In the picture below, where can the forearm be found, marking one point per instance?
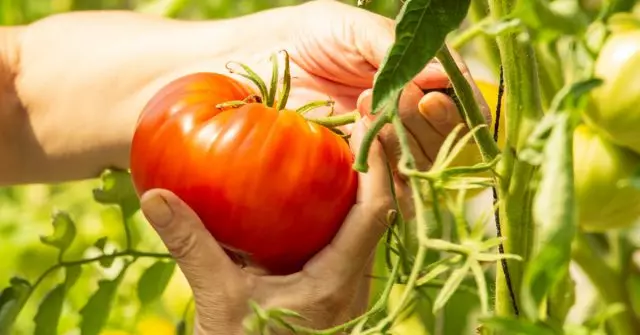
(82, 80)
(10, 106)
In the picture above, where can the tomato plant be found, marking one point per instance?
(470, 154)
(614, 109)
(602, 171)
(261, 177)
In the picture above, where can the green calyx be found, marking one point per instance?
(277, 96)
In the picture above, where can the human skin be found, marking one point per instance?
(73, 85)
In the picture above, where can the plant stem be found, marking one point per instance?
(337, 120)
(478, 11)
(607, 282)
(523, 111)
(360, 164)
(61, 264)
(127, 221)
(421, 224)
(471, 110)
(550, 74)
(469, 34)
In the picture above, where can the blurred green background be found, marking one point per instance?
(25, 211)
(22, 11)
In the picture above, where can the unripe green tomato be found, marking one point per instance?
(615, 105)
(603, 201)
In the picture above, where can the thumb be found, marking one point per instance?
(199, 256)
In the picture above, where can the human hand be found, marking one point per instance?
(332, 288)
(113, 62)
(335, 51)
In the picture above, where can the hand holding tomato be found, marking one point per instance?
(335, 48)
(333, 286)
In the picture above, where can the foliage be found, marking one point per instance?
(98, 266)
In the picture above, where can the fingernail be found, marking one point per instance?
(438, 110)
(157, 210)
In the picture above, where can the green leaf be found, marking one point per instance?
(12, 300)
(117, 189)
(633, 181)
(451, 285)
(64, 232)
(50, 309)
(597, 321)
(421, 29)
(573, 96)
(101, 243)
(181, 328)
(633, 287)
(561, 299)
(514, 326)
(554, 211)
(481, 282)
(550, 21)
(154, 280)
(96, 311)
(107, 261)
(570, 97)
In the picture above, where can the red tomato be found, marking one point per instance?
(267, 183)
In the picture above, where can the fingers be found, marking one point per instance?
(199, 256)
(351, 248)
(440, 112)
(422, 137)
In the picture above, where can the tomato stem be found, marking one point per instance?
(523, 111)
(286, 85)
(315, 104)
(252, 76)
(338, 120)
(274, 80)
(362, 158)
(470, 111)
(231, 104)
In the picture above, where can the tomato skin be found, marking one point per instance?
(613, 107)
(266, 183)
(599, 165)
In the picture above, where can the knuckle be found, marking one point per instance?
(380, 209)
(182, 246)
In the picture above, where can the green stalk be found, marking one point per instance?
(479, 10)
(609, 284)
(337, 120)
(421, 224)
(468, 35)
(550, 74)
(523, 108)
(471, 111)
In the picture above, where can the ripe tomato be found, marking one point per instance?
(599, 166)
(614, 105)
(268, 184)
